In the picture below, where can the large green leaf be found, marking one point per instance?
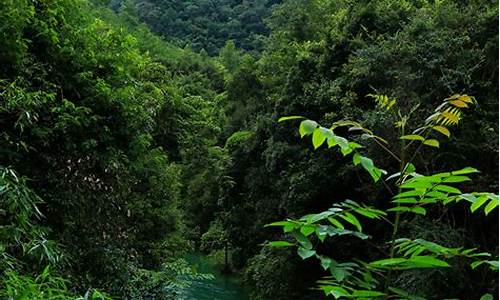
(318, 138)
(307, 127)
(342, 142)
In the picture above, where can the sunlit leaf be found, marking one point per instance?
(356, 159)
(491, 206)
(458, 103)
(442, 129)
(465, 171)
(282, 119)
(318, 138)
(432, 143)
(307, 127)
(415, 137)
(478, 203)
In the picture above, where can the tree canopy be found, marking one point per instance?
(136, 131)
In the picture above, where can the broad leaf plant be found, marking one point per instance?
(416, 193)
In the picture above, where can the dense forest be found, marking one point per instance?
(313, 149)
(205, 25)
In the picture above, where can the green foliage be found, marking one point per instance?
(101, 116)
(43, 286)
(266, 272)
(321, 60)
(215, 238)
(166, 283)
(416, 192)
(238, 137)
(205, 25)
(137, 145)
(19, 233)
(24, 246)
(320, 135)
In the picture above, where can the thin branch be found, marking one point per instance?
(388, 187)
(387, 150)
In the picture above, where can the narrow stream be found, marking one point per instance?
(222, 287)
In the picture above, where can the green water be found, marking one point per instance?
(222, 287)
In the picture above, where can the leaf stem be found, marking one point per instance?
(387, 150)
(398, 213)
